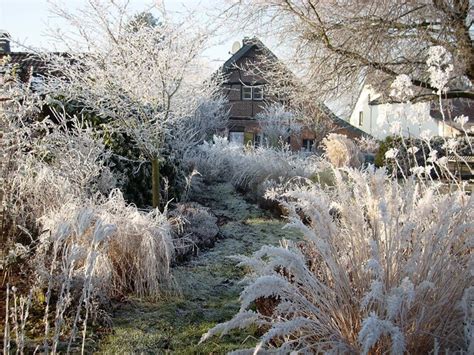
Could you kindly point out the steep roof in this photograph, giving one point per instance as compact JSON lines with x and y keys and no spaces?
{"x":248,"y":45}
{"x":27,"y":62}
{"x":342,"y":124}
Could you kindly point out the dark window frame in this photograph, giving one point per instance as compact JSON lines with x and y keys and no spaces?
{"x":242,"y":95}
{"x":308,"y":145}
{"x":252,"y":89}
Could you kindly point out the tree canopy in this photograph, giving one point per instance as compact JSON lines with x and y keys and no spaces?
{"x":341,"y":41}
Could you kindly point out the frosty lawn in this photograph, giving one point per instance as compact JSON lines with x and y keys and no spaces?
{"x":209,"y":287}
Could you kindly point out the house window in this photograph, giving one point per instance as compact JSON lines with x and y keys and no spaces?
{"x":361,"y":118}
{"x":236,"y":137}
{"x":257,"y":93}
{"x":252,"y":93}
{"x":246,"y":93}
{"x":307,"y":145}
{"x":258,"y":140}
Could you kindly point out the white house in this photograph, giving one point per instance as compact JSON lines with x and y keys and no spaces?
{"x":421,"y":119}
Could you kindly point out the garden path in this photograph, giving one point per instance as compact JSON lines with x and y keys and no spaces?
{"x":209,"y":287}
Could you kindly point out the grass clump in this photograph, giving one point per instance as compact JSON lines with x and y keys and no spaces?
{"x":385,"y":267}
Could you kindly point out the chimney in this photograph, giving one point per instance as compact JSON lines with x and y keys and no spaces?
{"x":4,"y":42}
{"x":248,"y":41}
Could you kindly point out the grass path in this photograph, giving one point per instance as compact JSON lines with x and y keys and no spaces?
{"x":209,"y":287}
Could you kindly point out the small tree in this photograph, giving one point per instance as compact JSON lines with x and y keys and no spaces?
{"x":277,"y":124}
{"x":141,"y":74}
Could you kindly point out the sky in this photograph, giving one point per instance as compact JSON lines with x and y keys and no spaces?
{"x":27,"y":22}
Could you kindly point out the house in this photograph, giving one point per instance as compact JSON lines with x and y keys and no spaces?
{"x":380,"y":118}
{"x":249,"y":93}
{"x":23,"y":63}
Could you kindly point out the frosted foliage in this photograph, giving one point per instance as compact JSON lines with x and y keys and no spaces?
{"x":384,"y":268}
{"x":440,"y":67}
{"x":242,"y":320}
{"x":391,"y":153}
{"x":196,"y":219}
{"x":56,"y":168}
{"x":341,"y":151}
{"x":402,"y":88}
{"x":277,"y":124}
{"x":48,"y":162}
{"x":138,"y":251}
{"x":142,"y":79}
{"x":250,"y":167}
{"x":462,"y":120}
{"x":71,"y":260}
{"x":368,"y":145}
{"x":91,"y":253}
{"x":210,"y":118}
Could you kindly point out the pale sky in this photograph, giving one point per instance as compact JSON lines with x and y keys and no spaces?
{"x":27,"y":22}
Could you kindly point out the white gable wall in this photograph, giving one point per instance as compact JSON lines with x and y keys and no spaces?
{"x":368,"y":112}
{"x":383,"y":120}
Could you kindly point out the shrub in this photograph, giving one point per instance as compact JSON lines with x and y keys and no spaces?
{"x":88,"y":255}
{"x":66,"y":236}
{"x":458,"y":146}
{"x":197,"y":228}
{"x":250,"y":168}
{"x":277,"y":123}
{"x":140,"y":250}
{"x":341,"y":151}
{"x":384,"y":268}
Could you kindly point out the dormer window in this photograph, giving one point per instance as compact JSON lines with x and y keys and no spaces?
{"x":252,"y":93}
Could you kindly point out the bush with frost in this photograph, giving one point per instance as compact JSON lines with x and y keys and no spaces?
{"x":341,"y":151}
{"x":139,"y":252}
{"x":385,"y":268}
{"x":413,"y":153}
{"x":248,"y":167}
{"x":88,"y":255}
{"x":48,"y":161}
{"x":76,"y":245}
{"x":277,"y":124}
{"x":196,"y":228}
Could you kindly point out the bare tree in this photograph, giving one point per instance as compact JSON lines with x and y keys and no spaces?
{"x":337,"y":42}
{"x":139,"y":73}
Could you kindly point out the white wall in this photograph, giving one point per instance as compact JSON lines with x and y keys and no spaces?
{"x":383,"y":120}
{"x":362,"y":105}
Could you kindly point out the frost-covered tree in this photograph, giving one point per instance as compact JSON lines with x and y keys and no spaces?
{"x":141,"y":75}
{"x":277,"y":124}
{"x":59,"y":227}
{"x":338,"y":40}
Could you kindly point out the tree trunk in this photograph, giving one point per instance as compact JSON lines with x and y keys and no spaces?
{"x":155,"y":178}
